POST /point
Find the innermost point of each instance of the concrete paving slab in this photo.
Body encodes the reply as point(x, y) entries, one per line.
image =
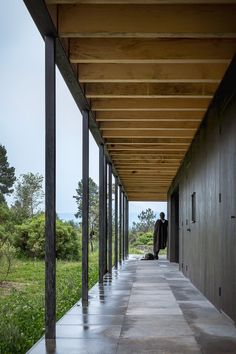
point(143, 307)
point(87, 331)
point(92, 320)
point(76, 346)
point(179, 345)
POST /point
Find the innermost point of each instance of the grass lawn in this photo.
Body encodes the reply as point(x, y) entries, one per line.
point(22, 300)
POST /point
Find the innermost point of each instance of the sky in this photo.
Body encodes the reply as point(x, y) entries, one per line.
point(22, 112)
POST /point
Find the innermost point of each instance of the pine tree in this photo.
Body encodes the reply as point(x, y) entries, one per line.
point(7, 175)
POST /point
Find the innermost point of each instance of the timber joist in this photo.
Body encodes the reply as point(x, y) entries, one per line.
point(149, 70)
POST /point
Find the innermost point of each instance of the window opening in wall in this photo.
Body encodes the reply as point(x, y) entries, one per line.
point(193, 196)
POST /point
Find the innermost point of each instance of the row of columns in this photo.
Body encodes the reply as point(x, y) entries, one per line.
point(107, 243)
point(106, 217)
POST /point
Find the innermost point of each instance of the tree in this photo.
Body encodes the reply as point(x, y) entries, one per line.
point(29, 238)
point(7, 175)
point(93, 207)
point(7, 251)
point(146, 220)
point(28, 194)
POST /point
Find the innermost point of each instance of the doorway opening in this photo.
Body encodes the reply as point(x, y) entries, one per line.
point(174, 227)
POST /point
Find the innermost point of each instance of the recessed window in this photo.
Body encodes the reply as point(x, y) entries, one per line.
point(193, 196)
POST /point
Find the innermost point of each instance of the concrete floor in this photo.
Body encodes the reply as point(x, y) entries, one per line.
point(145, 307)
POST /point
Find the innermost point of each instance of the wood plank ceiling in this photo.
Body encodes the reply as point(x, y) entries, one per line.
point(150, 69)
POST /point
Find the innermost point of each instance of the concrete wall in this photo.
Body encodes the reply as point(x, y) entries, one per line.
point(207, 247)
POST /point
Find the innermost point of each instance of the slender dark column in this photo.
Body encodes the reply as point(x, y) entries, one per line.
point(105, 217)
point(123, 226)
point(85, 207)
point(116, 223)
point(120, 224)
point(50, 190)
point(101, 214)
point(125, 233)
point(127, 228)
point(110, 219)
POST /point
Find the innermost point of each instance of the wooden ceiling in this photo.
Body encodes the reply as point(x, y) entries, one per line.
point(149, 70)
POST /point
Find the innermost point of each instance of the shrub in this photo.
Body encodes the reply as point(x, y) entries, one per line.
point(30, 239)
point(7, 251)
point(145, 239)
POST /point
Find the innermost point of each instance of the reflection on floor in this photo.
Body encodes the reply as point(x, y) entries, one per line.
point(144, 307)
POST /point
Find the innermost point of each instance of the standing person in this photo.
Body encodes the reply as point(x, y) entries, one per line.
point(160, 234)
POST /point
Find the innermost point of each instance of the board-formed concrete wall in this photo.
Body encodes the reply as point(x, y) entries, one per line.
point(207, 247)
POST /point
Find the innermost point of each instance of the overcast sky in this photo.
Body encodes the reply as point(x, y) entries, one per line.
point(22, 110)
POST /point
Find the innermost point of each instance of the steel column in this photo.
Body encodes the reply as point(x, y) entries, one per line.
point(85, 206)
point(110, 219)
point(125, 233)
point(105, 217)
point(101, 214)
point(116, 223)
point(123, 226)
point(50, 190)
point(127, 227)
point(120, 224)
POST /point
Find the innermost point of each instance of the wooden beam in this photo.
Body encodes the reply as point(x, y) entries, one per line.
point(147, 181)
point(137, 141)
point(143, 50)
point(146, 164)
point(146, 194)
point(147, 167)
point(147, 173)
point(149, 198)
point(148, 125)
point(140, 1)
point(151, 104)
point(149, 178)
point(145, 159)
point(163, 72)
point(150, 21)
point(147, 190)
point(135, 148)
point(150, 90)
point(188, 133)
point(127, 155)
point(143, 187)
point(158, 173)
point(152, 116)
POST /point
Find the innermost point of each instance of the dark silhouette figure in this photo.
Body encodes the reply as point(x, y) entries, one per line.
point(160, 235)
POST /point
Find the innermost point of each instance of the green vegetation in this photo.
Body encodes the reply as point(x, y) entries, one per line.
point(22, 300)
point(29, 239)
point(93, 209)
point(7, 175)
point(22, 242)
point(141, 234)
point(28, 195)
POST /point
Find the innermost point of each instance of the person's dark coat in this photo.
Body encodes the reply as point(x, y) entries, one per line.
point(160, 235)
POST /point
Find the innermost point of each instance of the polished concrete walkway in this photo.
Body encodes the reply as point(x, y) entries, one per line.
point(147, 307)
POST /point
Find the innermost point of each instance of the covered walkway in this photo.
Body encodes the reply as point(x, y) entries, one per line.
point(145, 307)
